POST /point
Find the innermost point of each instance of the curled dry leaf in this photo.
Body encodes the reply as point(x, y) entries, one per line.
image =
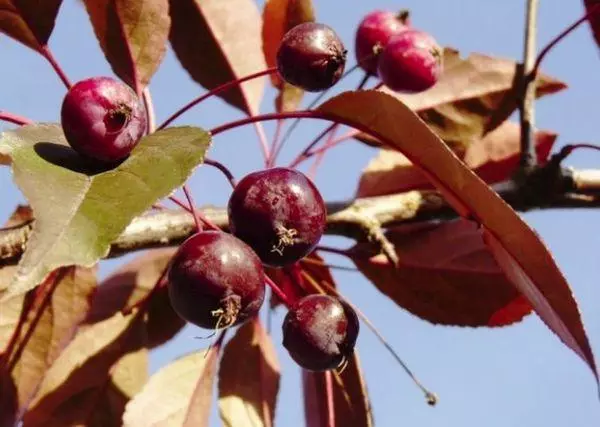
point(473, 97)
point(133, 36)
point(279, 16)
point(494, 158)
point(217, 41)
point(179, 394)
point(248, 390)
point(446, 276)
point(398, 127)
point(351, 404)
point(80, 212)
point(29, 21)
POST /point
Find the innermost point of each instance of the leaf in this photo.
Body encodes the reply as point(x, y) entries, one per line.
point(133, 36)
point(494, 158)
point(94, 366)
point(79, 213)
point(394, 124)
point(594, 19)
point(218, 41)
point(473, 97)
point(446, 276)
point(43, 323)
point(29, 21)
point(130, 285)
point(351, 401)
point(248, 390)
point(179, 394)
point(279, 16)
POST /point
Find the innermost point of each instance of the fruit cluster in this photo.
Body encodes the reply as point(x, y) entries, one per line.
point(276, 216)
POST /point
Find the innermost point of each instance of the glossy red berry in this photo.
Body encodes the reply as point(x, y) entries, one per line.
point(311, 56)
point(320, 332)
point(278, 212)
point(373, 34)
point(411, 62)
point(103, 119)
point(216, 280)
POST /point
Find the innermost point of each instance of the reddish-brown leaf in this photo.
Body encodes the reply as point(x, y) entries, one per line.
point(446, 276)
point(494, 158)
point(473, 97)
point(217, 41)
point(133, 36)
point(29, 21)
point(180, 394)
point(248, 390)
point(130, 285)
point(41, 331)
point(594, 19)
point(351, 404)
point(397, 126)
point(279, 16)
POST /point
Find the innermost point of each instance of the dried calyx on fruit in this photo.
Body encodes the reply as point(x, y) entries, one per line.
point(216, 280)
point(374, 33)
point(278, 212)
point(320, 332)
point(411, 62)
point(103, 119)
point(311, 56)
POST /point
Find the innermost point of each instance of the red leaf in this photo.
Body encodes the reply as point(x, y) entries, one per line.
point(494, 158)
point(248, 390)
point(279, 16)
point(594, 19)
point(446, 276)
point(217, 41)
point(397, 126)
point(351, 404)
point(29, 21)
point(133, 36)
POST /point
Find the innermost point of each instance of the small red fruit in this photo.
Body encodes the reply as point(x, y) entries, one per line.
point(216, 280)
point(374, 33)
point(320, 332)
point(411, 62)
point(311, 56)
point(103, 119)
point(278, 212)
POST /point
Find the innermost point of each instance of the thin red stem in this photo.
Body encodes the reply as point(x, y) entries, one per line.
point(310, 146)
point(277, 291)
point(150, 116)
point(205, 220)
point(329, 401)
point(215, 91)
point(262, 139)
point(192, 206)
point(312, 173)
point(56, 66)
point(274, 144)
point(262, 118)
point(332, 250)
point(592, 11)
point(15, 119)
point(223, 169)
point(327, 146)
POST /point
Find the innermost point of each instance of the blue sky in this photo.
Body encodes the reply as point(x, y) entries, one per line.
point(515, 376)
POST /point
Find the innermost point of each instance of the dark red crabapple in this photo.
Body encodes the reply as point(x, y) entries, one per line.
point(216, 280)
point(373, 34)
point(320, 332)
point(411, 62)
point(278, 212)
point(311, 56)
point(103, 119)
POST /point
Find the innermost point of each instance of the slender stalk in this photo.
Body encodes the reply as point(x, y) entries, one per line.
point(14, 118)
point(213, 92)
point(150, 115)
point(262, 139)
point(302, 156)
point(192, 206)
point(224, 170)
point(56, 66)
point(528, 158)
point(315, 166)
point(329, 401)
point(278, 291)
point(275, 142)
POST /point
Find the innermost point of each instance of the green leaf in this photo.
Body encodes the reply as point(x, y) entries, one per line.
point(79, 212)
point(133, 36)
point(29, 21)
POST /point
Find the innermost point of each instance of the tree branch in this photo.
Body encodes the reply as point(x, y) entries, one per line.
point(360, 219)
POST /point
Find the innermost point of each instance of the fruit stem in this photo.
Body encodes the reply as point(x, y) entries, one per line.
point(329, 402)
point(192, 206)
point(13, 118)
point(332, 250)
point(262, 139)
point(150, 116)
point(323, 150)
point(277, 291)
point(224, 170)
point(215, 91)
point(276, 138)
point(323, 264)
point(591, 12)
point(205, 220)
point(569, 148)
point(56, 66)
